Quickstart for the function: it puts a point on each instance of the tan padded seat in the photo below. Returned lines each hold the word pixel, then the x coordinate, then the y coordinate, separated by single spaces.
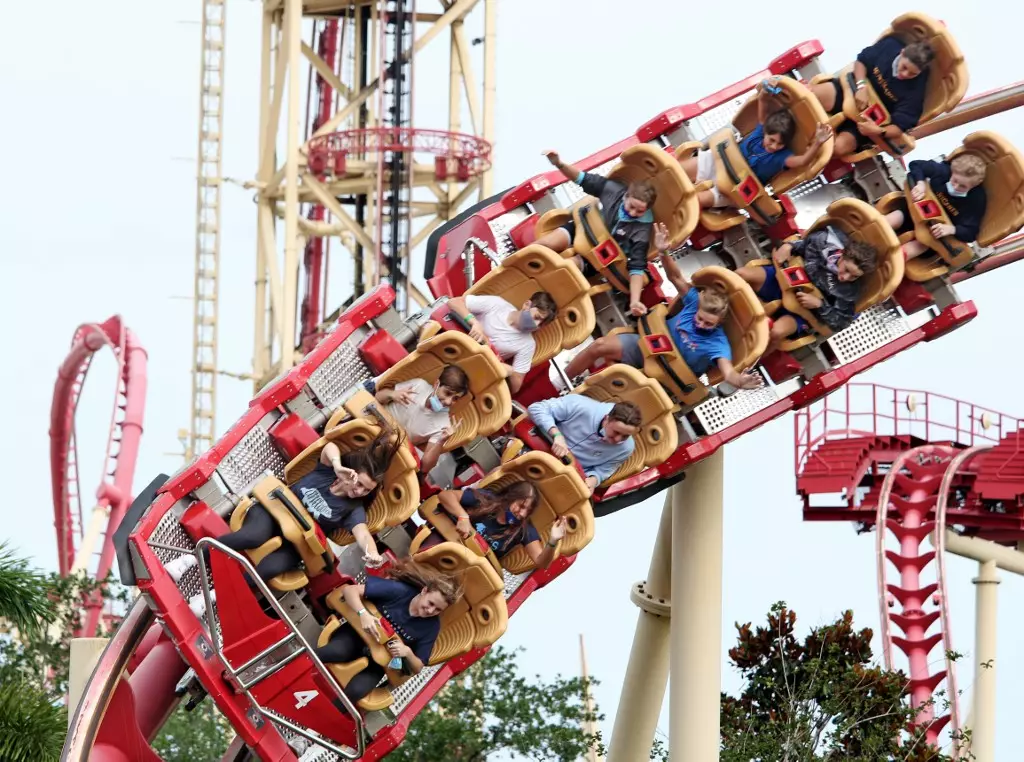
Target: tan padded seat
pixel 298 527
pixel 562 493
pixel 676 205
pixel 658 436
pixel 486 407
pixel 477 620
pixel 714 220
pixel 396 500
pixel 537 268
pixel 738 183
pixel 947 78
pixel 861 222
pixel 746 326
pixel 808 115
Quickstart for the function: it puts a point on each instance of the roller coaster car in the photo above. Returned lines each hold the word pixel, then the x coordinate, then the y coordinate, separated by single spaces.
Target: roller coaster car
pixel 477 620
pixel 745 325
pixel 947 83
pixel 676 206
pixel 733 176
pixel 562 493
pixel 297 527
pixel 1004 213
pixel 479 413
pixel 860 222
pixel 399 494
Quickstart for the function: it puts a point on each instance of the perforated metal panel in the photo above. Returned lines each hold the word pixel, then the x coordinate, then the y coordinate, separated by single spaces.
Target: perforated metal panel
pixel 715 119
pixel 513 582
pixel 718 413
pixel 254 455
pixel 500 227
pixel 874 328
pixel 337 374
pixel 169 532
pixel 574 193
pixel 406 692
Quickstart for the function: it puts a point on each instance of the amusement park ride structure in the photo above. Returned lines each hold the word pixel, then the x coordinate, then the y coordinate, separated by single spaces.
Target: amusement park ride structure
pixel 909 474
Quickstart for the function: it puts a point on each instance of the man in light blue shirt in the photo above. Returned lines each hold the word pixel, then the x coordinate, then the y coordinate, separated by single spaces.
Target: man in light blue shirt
pixel 598 434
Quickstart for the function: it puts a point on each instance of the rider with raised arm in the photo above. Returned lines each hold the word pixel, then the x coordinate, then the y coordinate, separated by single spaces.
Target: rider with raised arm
pixel 627 214
pixel 501 516
pixel 510 331
pixel 598 434
pixel 421 409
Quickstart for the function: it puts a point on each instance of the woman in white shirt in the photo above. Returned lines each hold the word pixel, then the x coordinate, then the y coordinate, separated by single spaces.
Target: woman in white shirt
pixel 422 409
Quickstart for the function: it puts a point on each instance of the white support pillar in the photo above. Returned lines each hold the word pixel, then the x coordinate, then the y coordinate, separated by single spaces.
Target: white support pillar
pixel 696 632
pixel 293 47
pixel 643 689
pixel 85 652
pixel 983 732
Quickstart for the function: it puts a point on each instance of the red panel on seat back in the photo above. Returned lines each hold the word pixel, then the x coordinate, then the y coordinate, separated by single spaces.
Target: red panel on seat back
pixel 292 435
pixel 380 350
pixel 524 233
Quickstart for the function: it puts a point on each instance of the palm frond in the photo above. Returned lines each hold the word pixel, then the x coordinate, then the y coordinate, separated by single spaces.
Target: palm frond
pixel 24 599
pixel 32 728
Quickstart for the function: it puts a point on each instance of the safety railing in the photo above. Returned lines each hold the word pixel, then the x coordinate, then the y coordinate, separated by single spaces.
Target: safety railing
pixel 295 636
pixel 865 409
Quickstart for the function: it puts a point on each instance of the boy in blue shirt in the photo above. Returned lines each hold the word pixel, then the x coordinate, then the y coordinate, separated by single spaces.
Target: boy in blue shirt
pixel 696 331
pixel 957 186
pixel 766 148
pixel 894 72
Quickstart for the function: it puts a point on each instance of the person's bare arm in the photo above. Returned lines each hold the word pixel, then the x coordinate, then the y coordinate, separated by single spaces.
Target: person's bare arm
pixel 353 595
pixel 433 451
pixel 821 135
pixel 365 541
pixel 732 376
pixel 570 171
pixel 672 272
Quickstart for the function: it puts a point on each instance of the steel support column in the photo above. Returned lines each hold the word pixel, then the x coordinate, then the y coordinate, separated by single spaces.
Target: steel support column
pixel 643 689
pixel 696 631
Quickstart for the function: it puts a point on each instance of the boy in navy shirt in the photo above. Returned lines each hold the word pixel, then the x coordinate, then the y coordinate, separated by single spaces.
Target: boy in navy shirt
pixel 626 210
pixel 957 186
pixel 766 148
pixel 696 331
pixel 894 71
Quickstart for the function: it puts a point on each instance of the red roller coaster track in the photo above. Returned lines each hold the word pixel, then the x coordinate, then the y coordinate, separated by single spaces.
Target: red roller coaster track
pixel 75 543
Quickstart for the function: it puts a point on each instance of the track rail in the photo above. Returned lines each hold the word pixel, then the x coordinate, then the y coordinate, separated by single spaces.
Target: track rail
pixel 78 540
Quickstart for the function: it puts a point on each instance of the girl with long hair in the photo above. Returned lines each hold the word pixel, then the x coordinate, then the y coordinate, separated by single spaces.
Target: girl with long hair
pixel 336 493
pixel 501 517
pixel 412 597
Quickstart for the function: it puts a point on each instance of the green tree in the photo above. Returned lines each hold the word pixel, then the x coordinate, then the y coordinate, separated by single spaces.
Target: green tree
pixel 819 697
pixel 32 723
pixel 188 736
pixel 491 708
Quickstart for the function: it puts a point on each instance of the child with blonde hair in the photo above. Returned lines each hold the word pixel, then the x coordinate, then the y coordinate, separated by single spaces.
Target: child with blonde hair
pixel 957 186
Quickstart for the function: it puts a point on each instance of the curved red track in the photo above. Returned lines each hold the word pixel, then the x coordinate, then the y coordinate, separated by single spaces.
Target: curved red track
pixel 113 493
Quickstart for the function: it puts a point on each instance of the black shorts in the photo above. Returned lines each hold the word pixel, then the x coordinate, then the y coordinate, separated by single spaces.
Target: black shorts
pixel 588 269
pixel 908 222
pixel 848 126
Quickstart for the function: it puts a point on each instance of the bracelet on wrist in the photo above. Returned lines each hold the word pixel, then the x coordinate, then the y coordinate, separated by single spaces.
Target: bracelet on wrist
pixel 361 612
pixel 553 544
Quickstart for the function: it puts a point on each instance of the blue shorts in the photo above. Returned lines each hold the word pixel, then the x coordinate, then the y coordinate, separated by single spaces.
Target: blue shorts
pixel 770 291
pixel 631 354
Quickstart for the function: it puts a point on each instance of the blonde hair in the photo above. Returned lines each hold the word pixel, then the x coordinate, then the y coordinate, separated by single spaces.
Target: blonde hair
pixel 714 301
pixel 969 165
pixel 423 576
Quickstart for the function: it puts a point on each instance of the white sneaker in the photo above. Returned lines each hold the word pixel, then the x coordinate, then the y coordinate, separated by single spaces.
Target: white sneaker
pixel 180 565
pixel 299 744
pixel 198 604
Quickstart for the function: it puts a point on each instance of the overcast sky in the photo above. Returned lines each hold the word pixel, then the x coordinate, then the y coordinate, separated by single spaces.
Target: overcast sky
pixel 98 217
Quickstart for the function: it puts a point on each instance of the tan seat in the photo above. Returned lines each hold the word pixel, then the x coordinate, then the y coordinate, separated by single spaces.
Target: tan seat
pixel 658 436
pixel 399 495
pixel 477 620
pixel 562 493
pixel 745 325
pixel 297 527
pixel 808 116
pixel 861 222
pixel 947 81
pixel 536 268
pixel 486 407
pixel 676 206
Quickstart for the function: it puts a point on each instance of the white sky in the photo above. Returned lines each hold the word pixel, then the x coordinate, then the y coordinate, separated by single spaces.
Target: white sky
pixel 102 102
